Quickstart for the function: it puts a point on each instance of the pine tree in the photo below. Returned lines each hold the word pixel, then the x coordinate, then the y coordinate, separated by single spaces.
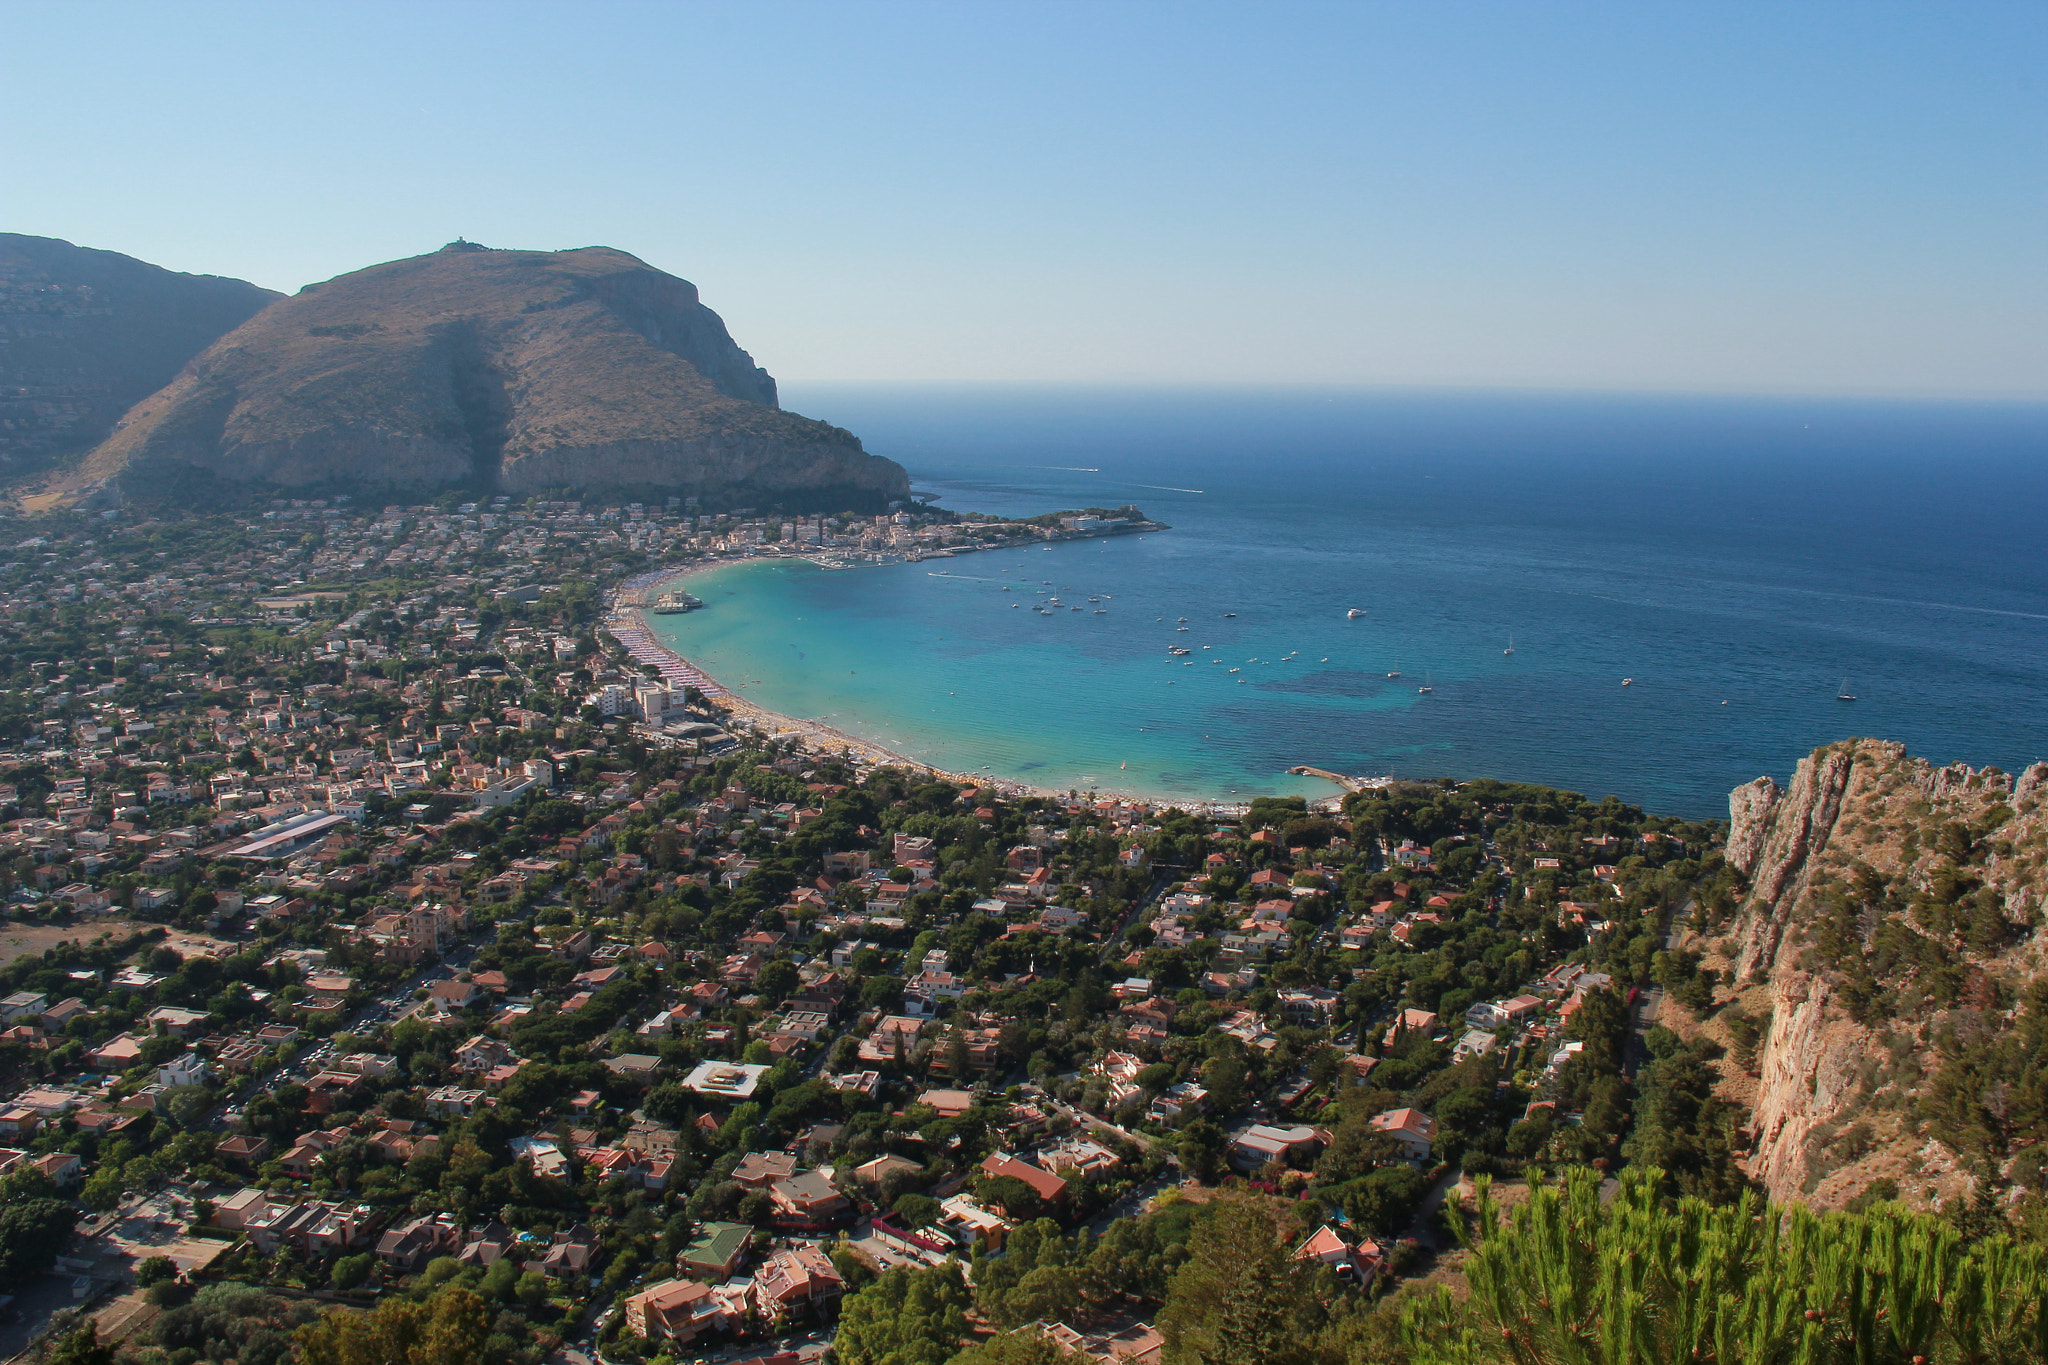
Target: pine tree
pixel 1241 1299
pixel 1566 1279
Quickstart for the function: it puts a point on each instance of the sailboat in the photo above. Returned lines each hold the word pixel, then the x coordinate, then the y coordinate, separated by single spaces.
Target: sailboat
pixel 1426 687
pixel 1843 693
pixel 1511 646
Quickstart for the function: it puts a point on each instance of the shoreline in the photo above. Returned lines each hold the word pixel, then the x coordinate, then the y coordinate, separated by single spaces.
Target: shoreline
pixel 645 647
pixel 627 614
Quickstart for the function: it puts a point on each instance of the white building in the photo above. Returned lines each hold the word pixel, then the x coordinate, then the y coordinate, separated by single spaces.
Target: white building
pixel 183 1069
pixel 725 1080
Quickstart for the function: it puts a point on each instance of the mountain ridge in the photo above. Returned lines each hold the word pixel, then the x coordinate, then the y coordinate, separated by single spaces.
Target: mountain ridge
pixel 516 370
pixel 85 334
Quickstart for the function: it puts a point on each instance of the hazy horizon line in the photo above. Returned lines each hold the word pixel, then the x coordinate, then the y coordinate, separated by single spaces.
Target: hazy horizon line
pixel 1958 397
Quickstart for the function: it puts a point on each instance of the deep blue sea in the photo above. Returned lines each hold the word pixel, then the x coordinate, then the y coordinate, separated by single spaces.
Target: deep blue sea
pixel 1742 560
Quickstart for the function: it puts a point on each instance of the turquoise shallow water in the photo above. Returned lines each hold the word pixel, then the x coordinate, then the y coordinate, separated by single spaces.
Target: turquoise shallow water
pixel 1749 553
pixel 936 662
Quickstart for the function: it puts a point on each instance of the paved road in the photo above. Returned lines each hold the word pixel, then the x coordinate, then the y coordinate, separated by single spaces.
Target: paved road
pixel 1132 1204
pixel 1424 1228
pixel 1164 875
pixel 1645 1019
pixel 1651 1001
pixel 1088 1120
pixel 311 1059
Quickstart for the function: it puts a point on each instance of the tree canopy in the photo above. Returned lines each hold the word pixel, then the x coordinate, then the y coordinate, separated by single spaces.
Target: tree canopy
pixel 449 1328
pixel 1567 1279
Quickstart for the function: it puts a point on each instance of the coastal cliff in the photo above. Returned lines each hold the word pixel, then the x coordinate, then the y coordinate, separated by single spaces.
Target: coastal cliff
pixel 513 370
pixel 1886 959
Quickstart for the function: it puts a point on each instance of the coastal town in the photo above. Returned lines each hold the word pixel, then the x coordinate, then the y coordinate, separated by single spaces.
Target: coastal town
pixel 1007 684
pixel 392 927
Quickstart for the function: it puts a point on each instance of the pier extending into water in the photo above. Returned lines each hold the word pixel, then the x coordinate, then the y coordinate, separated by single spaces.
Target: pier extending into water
pixel 1350 784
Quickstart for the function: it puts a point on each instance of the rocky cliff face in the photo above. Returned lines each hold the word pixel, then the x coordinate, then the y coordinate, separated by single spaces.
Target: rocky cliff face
pixel 519 370
pixel 84 335
pixel 1890 936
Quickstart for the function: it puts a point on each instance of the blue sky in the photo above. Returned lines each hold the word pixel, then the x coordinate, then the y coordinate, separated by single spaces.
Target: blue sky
pixel 1714 197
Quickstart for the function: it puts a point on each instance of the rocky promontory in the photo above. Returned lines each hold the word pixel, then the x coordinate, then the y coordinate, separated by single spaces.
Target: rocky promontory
pixel 1885 978
pixel 511 370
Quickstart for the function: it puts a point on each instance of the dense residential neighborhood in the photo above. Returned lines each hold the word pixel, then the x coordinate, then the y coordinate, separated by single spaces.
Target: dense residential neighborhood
pixel 378 927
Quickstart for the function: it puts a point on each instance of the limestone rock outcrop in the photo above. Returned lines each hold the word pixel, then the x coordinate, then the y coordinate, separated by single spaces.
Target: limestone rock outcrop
pixel 1749 818
pixel 1865 836
pixel 1786 838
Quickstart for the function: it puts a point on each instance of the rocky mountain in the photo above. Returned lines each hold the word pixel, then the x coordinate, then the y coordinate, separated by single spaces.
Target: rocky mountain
pixel 85 335
pixel 517 370
pixel 1881 987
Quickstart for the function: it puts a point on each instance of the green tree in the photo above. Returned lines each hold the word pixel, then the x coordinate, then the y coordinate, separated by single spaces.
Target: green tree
pixel 155 1270
pixel 439 1271
pixel 1642 1280
pixel 448 1329
pixel 1385 1201
pixel 1225 1077
pixel 352 1271
pixel 1680 1127
pixel 668 1103
pixel 1038 1276
pixel 500 1281
pixel 1241 1298
pixel 1015 1198
pixel 188 1105
pixel 778 980
pixel 32 1233
pixel 1356 1148
pixel 103 1188
pixel 917 1210
pixel 907 1317
pixel 1140 1255
pixel 1047 1293
pixel 532 1290
pixel 82 1347
pixel 1201 1150
pixel 1027 1346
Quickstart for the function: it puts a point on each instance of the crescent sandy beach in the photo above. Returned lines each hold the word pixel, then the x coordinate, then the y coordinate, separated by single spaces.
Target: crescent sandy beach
pixel 627 624
pixel 629 627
